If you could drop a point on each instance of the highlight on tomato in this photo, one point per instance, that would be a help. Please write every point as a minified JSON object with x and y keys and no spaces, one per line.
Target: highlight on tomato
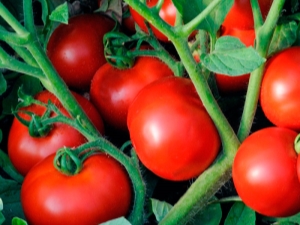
{"x":25,"y":151}
{"x":76,"y":50}
{"x":264,"y":172}
{"x":171,"y":131}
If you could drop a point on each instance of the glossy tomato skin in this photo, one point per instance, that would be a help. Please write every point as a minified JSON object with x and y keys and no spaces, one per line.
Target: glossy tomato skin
{"x":25,"y":151}
{"x":279,"y":96}
{"x":171,"y":131}
{"x":264,"y":172}
{"x":167,"y":13}
{"x":240,"y":15}
{"x":235,"y":84}
{"x":113,"y":90}
{"x":99,"y":192}
{"x":76,"y":50}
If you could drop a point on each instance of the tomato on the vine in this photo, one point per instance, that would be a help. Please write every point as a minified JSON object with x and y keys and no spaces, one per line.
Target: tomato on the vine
{"x":264,"y":172}
{"x":280,"y":91}
{"x":167,"y":13}
{"x":101,"y":191}
{"x":235,"y":84}
{"x":171,"y":131}
{"x":25,"y":151}
{"x":113,"y":90}
{"x":76,"y":50}
{"x":241,"y":16}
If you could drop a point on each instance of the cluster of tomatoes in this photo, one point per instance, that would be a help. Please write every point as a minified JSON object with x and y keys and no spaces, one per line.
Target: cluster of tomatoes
{"x":170,"y":129}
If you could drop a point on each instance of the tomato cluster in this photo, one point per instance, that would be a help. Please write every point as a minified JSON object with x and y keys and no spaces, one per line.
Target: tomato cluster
{"x":171,"y":132}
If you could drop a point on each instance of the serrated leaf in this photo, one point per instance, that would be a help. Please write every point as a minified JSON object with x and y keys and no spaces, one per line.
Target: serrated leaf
{"x":118,"y":221}
{"x":60,"y":14}
{"x":232,"y":57}
{"x":213,"y":21}
{"x":210,"y":215}
{"x":3,"y":84}
{"x":18,"y":221}
{"x":284,"y":36}
{"x":240,"y":214}
{"x":160,"y":208}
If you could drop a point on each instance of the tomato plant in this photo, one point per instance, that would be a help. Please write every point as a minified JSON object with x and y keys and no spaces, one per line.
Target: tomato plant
{"x":178,"y":140}
{"x":264,"y":172}
{"x":113,"y":89}
{"x":99,"y":192}
{"x":25,"y":151}
{"x":76,"y":49}
{"x":279,"y":95}
{"x":241,"y":16}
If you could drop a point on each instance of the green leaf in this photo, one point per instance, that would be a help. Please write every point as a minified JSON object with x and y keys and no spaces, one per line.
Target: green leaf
{"x":240,"y":214}
{"x":213,"y":22}
{"x":118,"y":221}
{"x":210,"y":215}
{"x":284,"y":36}
{"x":10,"y":195}
{"x":18,"y":221}
{"x":60,"y":14}
{"x":3,"y":84}
{"x":160,"y":208}
{"x":7,"y":166}
{"x":231,"y":57}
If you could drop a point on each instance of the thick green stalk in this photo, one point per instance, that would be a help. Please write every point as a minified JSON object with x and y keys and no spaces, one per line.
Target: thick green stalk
{"x":264,"y":35}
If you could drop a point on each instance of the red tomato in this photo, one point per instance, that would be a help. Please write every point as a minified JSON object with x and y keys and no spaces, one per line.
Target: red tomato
{"x":113,"y":90}
{"x":167,"y":13}
{"x":235,"y":84}
{"x":280,"y":89}
{"x":171,"y":131}
{"x":76,"y":50}
{"x":240,"y":15}
{"x":25,"y":151}
{"x":101,"y":191}
{"x":264,"y":172}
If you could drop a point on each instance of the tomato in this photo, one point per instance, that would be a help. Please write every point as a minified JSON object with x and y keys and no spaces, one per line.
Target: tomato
{"x":101,"y":191}
{"x":264,"y":172}
{"x":235,"y":84}
{"x":25,"y":151}
{"x":167,"y":13}
{"x":280,"y":91}
{"x":113,"y":90}
{"x":76,"y":50}
{"x":240,"y":15}
{"x":171,"y":131}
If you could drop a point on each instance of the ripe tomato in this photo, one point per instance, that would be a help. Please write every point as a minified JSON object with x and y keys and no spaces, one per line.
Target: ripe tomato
{"x":264,"y":172}
{"x":171,"y":131}
{"x":101,"y":191}
{"x":167,"y":13}
{"x":280,"y":89}
{"x":240,"y":15}
{"x":235,"y":84}
{"x":25,"y":151}
{"x":76,"y":50}
{"x":113,"y":90}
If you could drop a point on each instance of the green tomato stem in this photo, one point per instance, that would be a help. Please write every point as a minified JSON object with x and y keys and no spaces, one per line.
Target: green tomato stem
{"x":263,"y":38}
